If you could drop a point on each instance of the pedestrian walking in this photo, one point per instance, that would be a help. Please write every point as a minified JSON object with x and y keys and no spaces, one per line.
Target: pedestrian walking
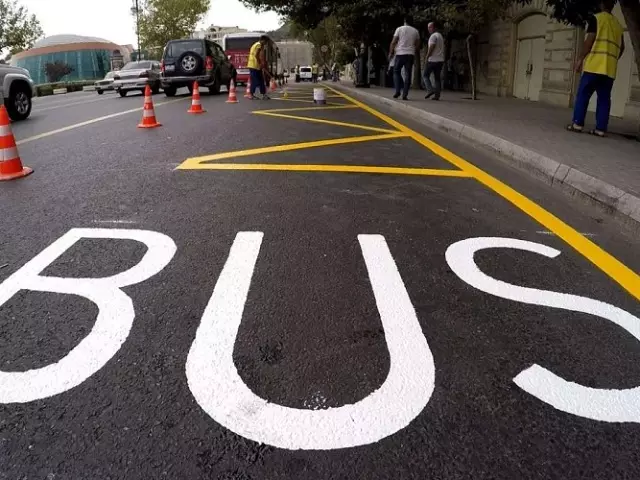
{"x":314,"y":73}
{"x":405,"y":44}
{"x":435,"y":62}
{"x":258,"y":67}
{"x":598,"y":61}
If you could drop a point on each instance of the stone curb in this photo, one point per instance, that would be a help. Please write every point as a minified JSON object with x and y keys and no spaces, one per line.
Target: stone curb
{"x":60,"y":91}
{"x":554,"y":172}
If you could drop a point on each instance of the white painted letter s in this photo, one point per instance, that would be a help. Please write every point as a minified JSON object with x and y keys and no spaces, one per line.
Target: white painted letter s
{"x":593,"y":403}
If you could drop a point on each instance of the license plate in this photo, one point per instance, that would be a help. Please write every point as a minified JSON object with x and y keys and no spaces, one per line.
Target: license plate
{"x":170,"y":68}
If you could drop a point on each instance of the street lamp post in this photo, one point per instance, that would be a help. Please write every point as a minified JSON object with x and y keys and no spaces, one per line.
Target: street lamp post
{"x":135,"y":9}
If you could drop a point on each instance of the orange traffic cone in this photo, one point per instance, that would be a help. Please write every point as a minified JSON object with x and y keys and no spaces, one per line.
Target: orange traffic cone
{"x":196,"y":106}
{"x":273,"y":87}
{"x":232,"y":93}
{"x":148,"y":113}
{"x":10,"y":163}
{"x":247,"y":93}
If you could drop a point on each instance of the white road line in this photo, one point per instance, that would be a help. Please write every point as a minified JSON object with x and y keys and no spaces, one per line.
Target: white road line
{"x":92,"y":121}
{"x":118,"y":222}
{"x":63,"y":105}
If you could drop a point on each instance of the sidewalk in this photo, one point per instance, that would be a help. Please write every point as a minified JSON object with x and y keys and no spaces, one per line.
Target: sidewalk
{"x":533,"y":135}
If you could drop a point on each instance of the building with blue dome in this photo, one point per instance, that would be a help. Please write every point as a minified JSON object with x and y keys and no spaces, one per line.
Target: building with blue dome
{"x":90,"y":58}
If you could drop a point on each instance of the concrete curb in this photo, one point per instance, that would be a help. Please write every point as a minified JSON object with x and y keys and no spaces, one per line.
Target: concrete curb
{"x":60,"y":91}
{"x":552,"y":171}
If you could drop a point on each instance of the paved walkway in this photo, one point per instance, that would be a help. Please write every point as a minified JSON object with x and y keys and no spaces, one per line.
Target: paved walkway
{"x":538,"y":131}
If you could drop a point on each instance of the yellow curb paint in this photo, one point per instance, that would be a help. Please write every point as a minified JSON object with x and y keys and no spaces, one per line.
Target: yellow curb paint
{"x":307,"y":109}
{"x":335,"y":168}
{"x":196,"y":163}
{"x":92,"y":121}
{"x":614,"y":268}
{"x":326,"y":122}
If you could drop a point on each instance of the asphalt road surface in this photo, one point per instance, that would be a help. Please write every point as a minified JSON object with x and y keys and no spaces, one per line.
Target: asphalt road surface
{"x":279,"y":290}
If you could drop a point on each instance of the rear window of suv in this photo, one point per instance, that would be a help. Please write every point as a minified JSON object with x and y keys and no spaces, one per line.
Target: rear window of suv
{"x":305,"y":69}
{"x":175,"y":49}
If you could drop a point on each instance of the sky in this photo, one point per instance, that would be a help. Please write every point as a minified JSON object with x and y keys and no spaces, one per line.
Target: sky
{"x":112,"y":20}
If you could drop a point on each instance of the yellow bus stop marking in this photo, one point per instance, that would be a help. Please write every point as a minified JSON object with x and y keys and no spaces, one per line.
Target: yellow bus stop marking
{"x":615,"y":269}
{"x":197,"y":163}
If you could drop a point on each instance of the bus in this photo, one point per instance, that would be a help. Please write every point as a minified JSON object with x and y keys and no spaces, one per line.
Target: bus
{"x":237,"y":46}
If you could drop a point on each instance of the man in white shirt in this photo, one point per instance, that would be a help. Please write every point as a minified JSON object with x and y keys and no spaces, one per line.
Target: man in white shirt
{"x":405,"y":44}
{"x":435,"y":62}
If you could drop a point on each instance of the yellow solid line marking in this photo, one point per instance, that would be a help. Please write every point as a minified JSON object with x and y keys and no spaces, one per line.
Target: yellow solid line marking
{"x":196,"y":163}
{"x":614,"y":268}
{"x":327,"y":122}
{"x":307,"y":109}
{"x":335,"y":168}
{"x":92,"y":121}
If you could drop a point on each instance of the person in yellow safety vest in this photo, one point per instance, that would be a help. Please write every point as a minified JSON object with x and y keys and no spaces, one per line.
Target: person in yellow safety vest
{"x":257,"y":66}
{"x":314,"y":73}
{"x":603,"y":47}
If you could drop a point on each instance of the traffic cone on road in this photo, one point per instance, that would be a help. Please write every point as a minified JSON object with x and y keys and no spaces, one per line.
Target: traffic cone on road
{"x":10,"y":164}
{"x":196,"y":106}
{"x":247,"y":93}
{"x":273,"y":86}
{"x":148,"y":113}
{"x":232,"y":93}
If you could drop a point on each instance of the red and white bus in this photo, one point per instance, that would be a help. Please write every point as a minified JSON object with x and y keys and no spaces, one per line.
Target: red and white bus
{"x":237,"y":46}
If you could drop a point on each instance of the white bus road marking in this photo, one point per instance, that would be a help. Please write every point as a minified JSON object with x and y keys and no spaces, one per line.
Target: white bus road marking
{"x":221,"y":392}
{"x":115,"y":311}
{"x":607,"y":405}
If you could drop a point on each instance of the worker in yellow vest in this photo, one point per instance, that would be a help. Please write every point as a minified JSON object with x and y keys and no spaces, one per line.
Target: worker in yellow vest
{"x":603,"y":47}
{"x":257,"y":66}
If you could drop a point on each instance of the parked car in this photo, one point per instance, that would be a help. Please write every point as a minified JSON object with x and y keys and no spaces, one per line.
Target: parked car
{"x":136,"y":76}
{"x":185,"y":61}
{"x":106,"y":84}
{"x":16,"y":91}
{"x":306,"y":74}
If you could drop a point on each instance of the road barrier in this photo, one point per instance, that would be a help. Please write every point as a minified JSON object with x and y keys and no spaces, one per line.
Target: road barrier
{"x":148,"y":113}
{"x":11,"y":166}
{"x":196,"y":105}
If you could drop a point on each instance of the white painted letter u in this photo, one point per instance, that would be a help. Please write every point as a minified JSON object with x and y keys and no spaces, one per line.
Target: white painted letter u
{"x":219,"y":390}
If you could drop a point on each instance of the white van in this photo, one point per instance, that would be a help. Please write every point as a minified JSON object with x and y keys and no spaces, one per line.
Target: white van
{"x":305,"y":74}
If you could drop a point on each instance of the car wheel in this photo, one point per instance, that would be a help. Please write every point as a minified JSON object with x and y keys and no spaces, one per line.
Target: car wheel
{"x":122,"y":93}
{"x":100,"y":92}
{"x":215,"y":88}
{"x":18,"y":103}
{"x":170,"y":91}
{"x":189,"y":63}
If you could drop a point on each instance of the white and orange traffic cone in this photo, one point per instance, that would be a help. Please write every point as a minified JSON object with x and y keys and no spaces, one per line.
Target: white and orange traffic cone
{"x":196,"y":105}
{"x":10,"y":164}
{"x":273,"y":86}
{"x":232,"y":93}
{"x":247,"y":93}
{"x":148,"y":113}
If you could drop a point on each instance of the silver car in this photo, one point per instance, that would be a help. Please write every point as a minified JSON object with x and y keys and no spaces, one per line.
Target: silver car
{"x":105,"y":84}
{"x":16,"y":91}
{"x":136,"y":76}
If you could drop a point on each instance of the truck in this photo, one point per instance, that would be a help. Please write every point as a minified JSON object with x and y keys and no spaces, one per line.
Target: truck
{"x":16,"y":91}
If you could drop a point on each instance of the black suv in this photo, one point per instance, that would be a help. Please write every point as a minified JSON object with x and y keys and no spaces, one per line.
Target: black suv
{"x":185,"y":61}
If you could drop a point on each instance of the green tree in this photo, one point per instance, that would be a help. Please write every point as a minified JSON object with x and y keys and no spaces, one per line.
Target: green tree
{"x":18,"y":29}
{"x":56,"y":71}
{"x":164,"y":20}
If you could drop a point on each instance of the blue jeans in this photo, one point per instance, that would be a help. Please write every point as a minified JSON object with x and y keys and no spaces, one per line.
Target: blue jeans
{"x":434,"y":68}
{"x":257,"y":81}
{"x":602,"y":85}
{"x":406,"y":62}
